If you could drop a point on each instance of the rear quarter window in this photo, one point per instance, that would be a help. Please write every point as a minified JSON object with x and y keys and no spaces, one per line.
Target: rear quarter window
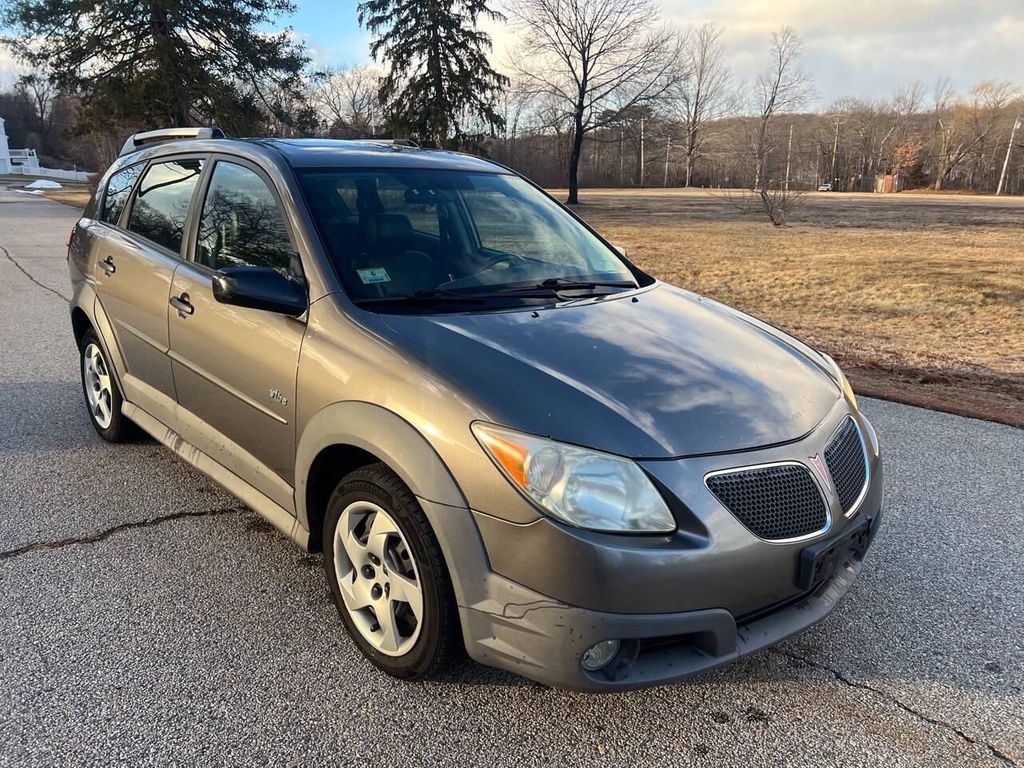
{"x":119,"y":189}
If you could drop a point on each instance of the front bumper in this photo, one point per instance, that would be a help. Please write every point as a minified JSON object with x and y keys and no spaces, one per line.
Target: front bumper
{"x":533,"y":597}
{"x":526,"y":633}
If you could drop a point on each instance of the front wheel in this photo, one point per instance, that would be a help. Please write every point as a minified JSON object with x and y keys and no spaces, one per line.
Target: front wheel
{"x":388,"y":576}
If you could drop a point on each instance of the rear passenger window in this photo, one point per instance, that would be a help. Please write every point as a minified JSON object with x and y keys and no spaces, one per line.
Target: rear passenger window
{"x":118,"y":189}
{"x":161,"y":203}
{"x":242,"y":224}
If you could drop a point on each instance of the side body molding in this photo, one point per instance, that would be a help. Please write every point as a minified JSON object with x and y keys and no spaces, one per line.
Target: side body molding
{"x":384,"y":434}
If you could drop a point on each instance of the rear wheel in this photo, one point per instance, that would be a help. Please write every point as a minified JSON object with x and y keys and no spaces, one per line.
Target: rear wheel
{"x":102,"y":397}
{"x":388,"y":576}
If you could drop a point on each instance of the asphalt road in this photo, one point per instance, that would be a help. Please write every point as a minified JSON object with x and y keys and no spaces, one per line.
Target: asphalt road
{"x":146,"y":617}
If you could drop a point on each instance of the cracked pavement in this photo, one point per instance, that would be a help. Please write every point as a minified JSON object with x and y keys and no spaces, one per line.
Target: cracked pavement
{"x":147,"y":617}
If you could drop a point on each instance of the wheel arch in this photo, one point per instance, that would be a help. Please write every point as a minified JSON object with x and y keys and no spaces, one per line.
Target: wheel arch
{"x":346,"y":435}
{"x":80,"y":324}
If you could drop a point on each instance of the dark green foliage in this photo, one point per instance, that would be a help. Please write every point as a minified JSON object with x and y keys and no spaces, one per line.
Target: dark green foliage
{"x":440,"y":87}
{"x":163,"y":62}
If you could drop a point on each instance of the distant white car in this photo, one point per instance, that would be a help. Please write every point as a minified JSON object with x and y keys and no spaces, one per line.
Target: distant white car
{"x":826,"y":187}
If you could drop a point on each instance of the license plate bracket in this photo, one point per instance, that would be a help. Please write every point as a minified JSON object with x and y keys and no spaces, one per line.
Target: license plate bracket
{"x":818,"y":562}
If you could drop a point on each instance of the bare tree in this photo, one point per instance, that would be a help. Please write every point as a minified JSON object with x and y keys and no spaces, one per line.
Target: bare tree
{"x":782,"y":87}
{"x":904,"y":105}
{"x":348,"y":99}
{"x":39,"y":91}
{"x":963,"y":126}
{"x":514,"y":105}
{"x":703,"y":97}
{"x":596,"y":58}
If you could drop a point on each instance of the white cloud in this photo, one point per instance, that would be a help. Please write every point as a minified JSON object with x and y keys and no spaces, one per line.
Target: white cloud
{"x":9,"y":69}
{"x":871,"y":47}
{"x":860,"y":47}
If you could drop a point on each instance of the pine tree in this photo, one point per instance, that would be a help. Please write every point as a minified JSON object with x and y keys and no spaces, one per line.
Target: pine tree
{"x":439,"y":81}
{"x":162,"y":62}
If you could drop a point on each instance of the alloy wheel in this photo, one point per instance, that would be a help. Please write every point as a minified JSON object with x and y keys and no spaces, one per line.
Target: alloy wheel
{"x":378,"y":578}
{"x":98,"y":386}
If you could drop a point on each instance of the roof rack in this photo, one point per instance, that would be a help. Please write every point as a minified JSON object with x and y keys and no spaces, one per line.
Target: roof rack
{"x":391,"y":142}
{"x":139,"y":140}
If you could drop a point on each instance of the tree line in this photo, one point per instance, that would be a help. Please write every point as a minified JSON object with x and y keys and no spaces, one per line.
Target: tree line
{"x":595,"y":93}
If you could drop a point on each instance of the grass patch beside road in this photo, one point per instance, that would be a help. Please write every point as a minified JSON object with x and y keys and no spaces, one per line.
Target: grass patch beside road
{"x":77,"y":196}
{"x":920,"y":298}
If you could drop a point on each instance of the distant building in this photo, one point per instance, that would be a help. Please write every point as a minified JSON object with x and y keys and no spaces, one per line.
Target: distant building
{"x":16,"y":160}
{"x":890,"y":182}
{"x":26,"y":162}
{"x":5,"y":150}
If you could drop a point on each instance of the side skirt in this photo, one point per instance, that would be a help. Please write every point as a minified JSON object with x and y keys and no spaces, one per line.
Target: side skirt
{"x":277,"y":515}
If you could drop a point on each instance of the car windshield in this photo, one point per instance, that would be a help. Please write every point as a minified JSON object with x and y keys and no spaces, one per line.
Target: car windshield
{"x":397,"y":235}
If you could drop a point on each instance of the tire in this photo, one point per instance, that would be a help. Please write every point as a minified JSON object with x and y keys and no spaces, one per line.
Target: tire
{"x":373,"y":561}
{"x":102,"y":397}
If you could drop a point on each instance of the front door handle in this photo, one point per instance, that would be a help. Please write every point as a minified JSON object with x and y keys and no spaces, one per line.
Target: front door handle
{"x":182,"y":304}
{"x":107,"y":265}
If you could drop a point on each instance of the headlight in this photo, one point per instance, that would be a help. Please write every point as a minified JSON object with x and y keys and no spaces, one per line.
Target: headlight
{"x":583,"y":488}
{"x":843,"y":381}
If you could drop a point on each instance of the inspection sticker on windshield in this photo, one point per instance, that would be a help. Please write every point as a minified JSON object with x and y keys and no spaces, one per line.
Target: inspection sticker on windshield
{"x":373,"y":275}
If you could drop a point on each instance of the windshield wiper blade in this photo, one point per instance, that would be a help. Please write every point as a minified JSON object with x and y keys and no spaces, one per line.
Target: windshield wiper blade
{"x":556,"y":285}
{"x":426,"y":295}
{"x":563,"y":283}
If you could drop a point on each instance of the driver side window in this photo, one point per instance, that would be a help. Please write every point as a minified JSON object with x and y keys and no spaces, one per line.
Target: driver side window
{"x":243,"y":225}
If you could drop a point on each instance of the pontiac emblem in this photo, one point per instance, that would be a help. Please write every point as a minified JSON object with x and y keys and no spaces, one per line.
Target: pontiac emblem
{"x":819,"y":465}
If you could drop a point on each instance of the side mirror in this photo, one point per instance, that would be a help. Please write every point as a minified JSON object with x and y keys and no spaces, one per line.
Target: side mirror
{"x":260,"y":288}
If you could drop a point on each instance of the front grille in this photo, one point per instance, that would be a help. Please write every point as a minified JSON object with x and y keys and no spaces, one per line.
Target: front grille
{"x":844,"y":456}
{"x":779,"y":501}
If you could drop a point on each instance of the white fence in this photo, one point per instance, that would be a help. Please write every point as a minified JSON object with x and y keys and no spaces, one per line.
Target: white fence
{"x":53,"y":173}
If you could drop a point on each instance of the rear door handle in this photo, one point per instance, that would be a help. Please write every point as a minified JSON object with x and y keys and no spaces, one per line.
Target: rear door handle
{"x":107,"y":265}
{"x":182,"y":304}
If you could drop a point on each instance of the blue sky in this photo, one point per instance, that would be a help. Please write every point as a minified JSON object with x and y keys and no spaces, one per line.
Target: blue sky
{"x":852,"y":47}
{"x":856,"y":48}
{"x":332,"y":31}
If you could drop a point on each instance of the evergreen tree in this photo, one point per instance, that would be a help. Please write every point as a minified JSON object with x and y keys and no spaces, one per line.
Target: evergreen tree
{"x":439,"y":81}
{"x":162,"y":62}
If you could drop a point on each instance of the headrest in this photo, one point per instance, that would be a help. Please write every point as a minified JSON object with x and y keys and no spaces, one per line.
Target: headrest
{"x":388,"y":226}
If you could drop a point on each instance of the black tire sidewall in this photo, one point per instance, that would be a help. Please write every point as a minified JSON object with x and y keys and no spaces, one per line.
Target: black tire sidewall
{"x":116,"y":431}
{"x":423,"y":657}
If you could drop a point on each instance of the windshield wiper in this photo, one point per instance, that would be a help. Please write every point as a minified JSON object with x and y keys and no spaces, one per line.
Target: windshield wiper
{"x":563,"y":283}
{"x":426,"y":296}
{"x":552,"y":285}
{"x":556,"y":285}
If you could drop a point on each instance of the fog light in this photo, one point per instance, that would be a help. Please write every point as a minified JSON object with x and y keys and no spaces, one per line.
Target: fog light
{"x":599,"y":655}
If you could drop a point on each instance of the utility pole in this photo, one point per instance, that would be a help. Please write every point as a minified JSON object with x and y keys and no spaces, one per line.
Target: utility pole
{"x":620,"y":157}
{"x":668,"y":150}
{"x":835,"y":148}
{"x":1006,"y":162}
{"x":641,"y":151}
{"x":789,"y":154}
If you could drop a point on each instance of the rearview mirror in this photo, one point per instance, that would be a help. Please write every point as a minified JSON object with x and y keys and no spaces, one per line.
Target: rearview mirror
{"x":260,"y":288}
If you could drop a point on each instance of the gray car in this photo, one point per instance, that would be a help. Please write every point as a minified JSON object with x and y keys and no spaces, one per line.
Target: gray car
{"x":504,"y":437}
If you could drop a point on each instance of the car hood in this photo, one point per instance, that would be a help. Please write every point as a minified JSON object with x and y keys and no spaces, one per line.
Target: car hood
{"x":658,"y":373}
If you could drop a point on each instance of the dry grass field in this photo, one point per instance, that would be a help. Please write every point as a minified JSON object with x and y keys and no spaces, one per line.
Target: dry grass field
{"x":919,"y":297}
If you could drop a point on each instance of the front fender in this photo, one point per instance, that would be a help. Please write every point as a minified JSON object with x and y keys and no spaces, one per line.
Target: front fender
{"x":384,"y":434}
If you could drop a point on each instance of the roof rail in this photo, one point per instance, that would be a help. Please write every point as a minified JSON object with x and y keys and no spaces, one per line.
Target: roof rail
{"x":139,"y":140}
{"x":391,"y":142}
